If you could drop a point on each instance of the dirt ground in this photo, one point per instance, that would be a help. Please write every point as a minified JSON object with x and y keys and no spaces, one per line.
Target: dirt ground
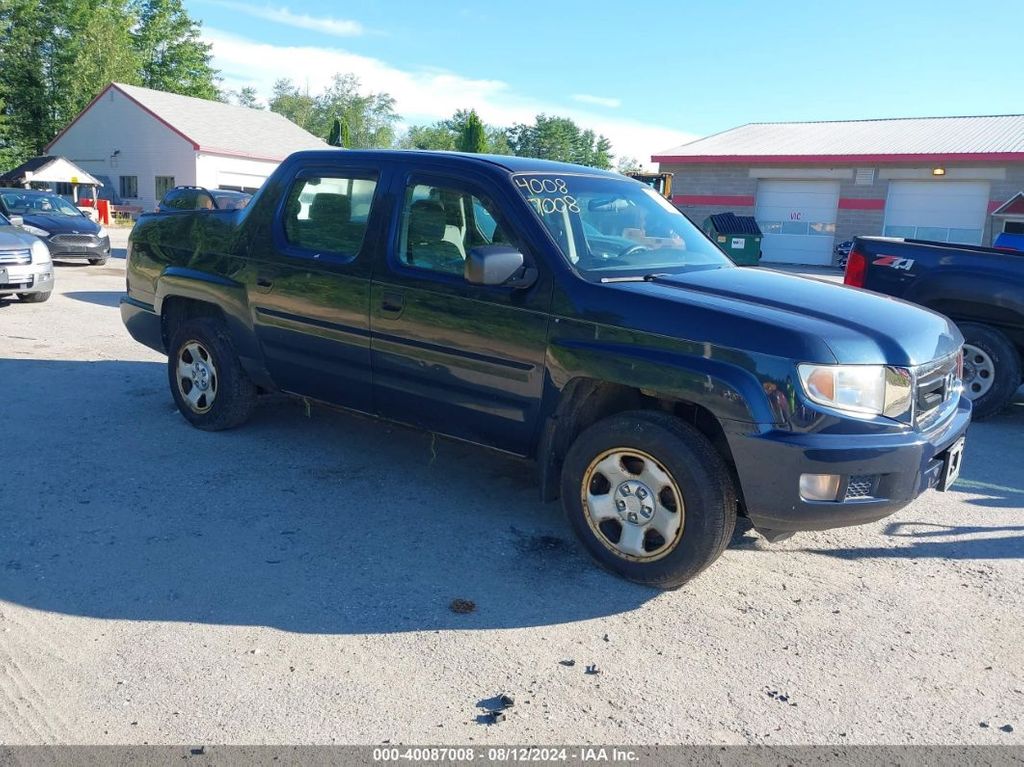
{"x":291,"y":582}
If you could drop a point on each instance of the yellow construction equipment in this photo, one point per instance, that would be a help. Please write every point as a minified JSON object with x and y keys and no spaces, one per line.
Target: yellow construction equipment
{"x":659,"y":182}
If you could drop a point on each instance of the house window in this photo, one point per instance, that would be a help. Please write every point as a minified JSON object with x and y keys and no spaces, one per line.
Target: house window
{"x":164,"y":184}
{"x":129,"y":187}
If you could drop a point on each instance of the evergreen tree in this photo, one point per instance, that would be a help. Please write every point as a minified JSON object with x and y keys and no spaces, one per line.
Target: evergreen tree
{"x":473,"y":137}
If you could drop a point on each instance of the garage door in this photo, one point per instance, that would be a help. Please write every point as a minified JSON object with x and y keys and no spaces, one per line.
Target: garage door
{"x":944,"y":211}
{"x":798,"y":219}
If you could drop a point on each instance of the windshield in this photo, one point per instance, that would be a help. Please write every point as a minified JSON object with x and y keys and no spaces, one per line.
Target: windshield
{"x":27,"y":204}
{"x":608,"y":227}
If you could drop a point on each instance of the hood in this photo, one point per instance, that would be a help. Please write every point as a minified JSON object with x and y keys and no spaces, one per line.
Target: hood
{"x":804,"y":319}
{"x":13,"y":238}
{"x":58,"y":224}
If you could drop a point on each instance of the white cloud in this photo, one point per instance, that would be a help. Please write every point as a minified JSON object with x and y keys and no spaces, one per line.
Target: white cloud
{"x":421,"y":95}
{"x":601,"y":101}
{"x":282,"y":15}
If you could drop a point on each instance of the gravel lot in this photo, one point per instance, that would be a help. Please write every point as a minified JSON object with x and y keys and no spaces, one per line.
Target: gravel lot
{"x":290,"y":582}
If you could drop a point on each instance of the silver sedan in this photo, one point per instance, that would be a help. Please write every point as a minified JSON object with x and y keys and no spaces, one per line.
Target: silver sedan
{"x":26,"y":269}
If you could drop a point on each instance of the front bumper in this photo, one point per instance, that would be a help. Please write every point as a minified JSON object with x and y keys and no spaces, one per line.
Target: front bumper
{"x":903,"y":466}
{"x":143,"y":323}
{"x":27,"y":278}
{"x":78,"y":246}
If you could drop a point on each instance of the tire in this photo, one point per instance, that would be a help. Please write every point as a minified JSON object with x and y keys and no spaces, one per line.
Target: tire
{"x":35,"y":298}
{"x":97,"y":261}
{"x":992,"y":369}
{"x":698,"y":480}
{"x":224,"y":396}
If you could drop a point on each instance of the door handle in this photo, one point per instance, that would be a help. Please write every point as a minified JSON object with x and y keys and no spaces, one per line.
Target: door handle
{"x":392,"y":303}
{"x":264,"y":284}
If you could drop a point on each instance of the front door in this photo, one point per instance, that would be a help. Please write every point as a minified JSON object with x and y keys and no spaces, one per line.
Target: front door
{"x":310,"y":290}
{"x":451,"y":357}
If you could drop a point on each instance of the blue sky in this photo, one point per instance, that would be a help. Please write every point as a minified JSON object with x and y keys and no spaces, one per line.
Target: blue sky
{"x":650,"y":74}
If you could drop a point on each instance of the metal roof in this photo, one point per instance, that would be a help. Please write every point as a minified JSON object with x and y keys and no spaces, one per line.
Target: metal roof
{"x":218,"y":128}
{"x":992,"y":137}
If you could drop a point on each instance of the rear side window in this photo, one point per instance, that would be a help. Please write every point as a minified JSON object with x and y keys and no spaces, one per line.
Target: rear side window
{"x":329,"y":213}
{"x":187,"y":199}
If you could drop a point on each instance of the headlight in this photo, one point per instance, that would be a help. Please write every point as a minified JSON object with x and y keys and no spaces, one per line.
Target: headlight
{"x":102,"y":232}
{"x":860,"y":389}
{"x":35,"y":230}
{"x":40,"y":253}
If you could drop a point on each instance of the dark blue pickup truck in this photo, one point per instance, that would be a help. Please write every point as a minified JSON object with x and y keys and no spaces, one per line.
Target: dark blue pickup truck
{"x":568,"y":315}
{"x":981,"y":289}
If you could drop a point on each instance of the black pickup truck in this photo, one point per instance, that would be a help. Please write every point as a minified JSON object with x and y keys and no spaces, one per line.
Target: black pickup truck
{"x":564,"y":314}
{"x":980,"y":289}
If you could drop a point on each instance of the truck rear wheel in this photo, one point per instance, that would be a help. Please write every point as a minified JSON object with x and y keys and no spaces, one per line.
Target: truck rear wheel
{"x":649,"y":497}
{"x":992,"y":371}
{"x":208,"y":383}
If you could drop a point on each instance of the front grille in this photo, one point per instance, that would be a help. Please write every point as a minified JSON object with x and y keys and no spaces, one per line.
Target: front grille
{"x":15,"y":257}
{"x":86,"y":240}
{"x":28,"y":282}
{"x":860,"y":486}
{"x":938,"y":383}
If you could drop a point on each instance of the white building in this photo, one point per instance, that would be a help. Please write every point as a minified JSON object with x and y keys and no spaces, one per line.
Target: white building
{"x":145,"y":142}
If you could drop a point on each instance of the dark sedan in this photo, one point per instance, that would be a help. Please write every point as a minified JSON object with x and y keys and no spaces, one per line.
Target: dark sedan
{"x":67,"y":231}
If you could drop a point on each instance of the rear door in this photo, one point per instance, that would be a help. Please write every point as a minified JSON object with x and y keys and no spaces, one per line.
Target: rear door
{"x":451,"y":357}
{"x":310,"y":285}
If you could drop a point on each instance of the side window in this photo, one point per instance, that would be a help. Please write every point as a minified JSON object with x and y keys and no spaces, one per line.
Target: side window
{"x":329,"y":213}
{"x":441,"y":225}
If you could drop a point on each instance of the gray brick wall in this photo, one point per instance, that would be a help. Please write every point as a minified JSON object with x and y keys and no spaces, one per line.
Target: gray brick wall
{"x":716,"y":179}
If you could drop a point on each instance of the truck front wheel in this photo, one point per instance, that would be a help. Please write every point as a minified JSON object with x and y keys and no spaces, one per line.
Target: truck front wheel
{"x":992,"y":372}
{"x":649,"y":497}
{"x":208,"y":383}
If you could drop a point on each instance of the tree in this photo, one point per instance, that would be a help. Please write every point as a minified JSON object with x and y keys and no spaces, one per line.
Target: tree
{"x":628,"y":165}
{"x":339,"y":134}
{"x":173,"y":56}
{"x":55,"y":56}
{"x":370,"y":118}
{"x":559,"y":138}
{"x":246,"y":97}
{"x":472,"y":137}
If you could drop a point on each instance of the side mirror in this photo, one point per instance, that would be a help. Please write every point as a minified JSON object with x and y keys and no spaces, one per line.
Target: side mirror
{"x":498,"y":265}
{"x":17,"y":221}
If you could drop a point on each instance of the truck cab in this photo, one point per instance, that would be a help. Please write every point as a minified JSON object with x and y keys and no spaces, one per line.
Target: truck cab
{"x":568,"y":315}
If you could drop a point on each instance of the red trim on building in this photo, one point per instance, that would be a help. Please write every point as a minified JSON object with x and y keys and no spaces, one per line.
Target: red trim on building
{"x":860,"y":203}
{"x":837,"y":159}
{"x":148,"y":111}
{"x":741,"y":200}
{"x":1013,"y":207}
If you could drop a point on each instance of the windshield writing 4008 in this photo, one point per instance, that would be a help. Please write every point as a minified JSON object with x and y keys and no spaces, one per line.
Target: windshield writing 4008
{"x":548,"y":195}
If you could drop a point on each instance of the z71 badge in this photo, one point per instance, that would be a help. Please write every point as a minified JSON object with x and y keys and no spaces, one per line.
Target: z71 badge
{"x":894,"y":262}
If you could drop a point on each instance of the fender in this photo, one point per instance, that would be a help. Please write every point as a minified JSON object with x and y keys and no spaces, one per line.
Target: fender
{"x":227,"y":295}
{"x":728,"y":390}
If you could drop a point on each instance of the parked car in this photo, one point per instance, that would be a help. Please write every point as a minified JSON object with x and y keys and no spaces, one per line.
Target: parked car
{"x":842,"y":252}
{"x":26,"y":269}
{"x":197,"y":198}
{"x":659,"y":387}
{"x":981,"y":289}
{"x":68,"y":233}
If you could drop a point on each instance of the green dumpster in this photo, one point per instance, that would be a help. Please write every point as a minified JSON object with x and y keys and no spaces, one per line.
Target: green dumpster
{"x":738,"y":236}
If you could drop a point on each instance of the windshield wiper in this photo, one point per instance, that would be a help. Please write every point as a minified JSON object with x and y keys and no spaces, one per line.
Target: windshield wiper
{"x":635,"y":278}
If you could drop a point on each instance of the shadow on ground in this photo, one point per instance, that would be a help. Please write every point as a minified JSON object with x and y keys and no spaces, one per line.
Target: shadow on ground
{"x":99,"y":297}
{"x":115,"y":508}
